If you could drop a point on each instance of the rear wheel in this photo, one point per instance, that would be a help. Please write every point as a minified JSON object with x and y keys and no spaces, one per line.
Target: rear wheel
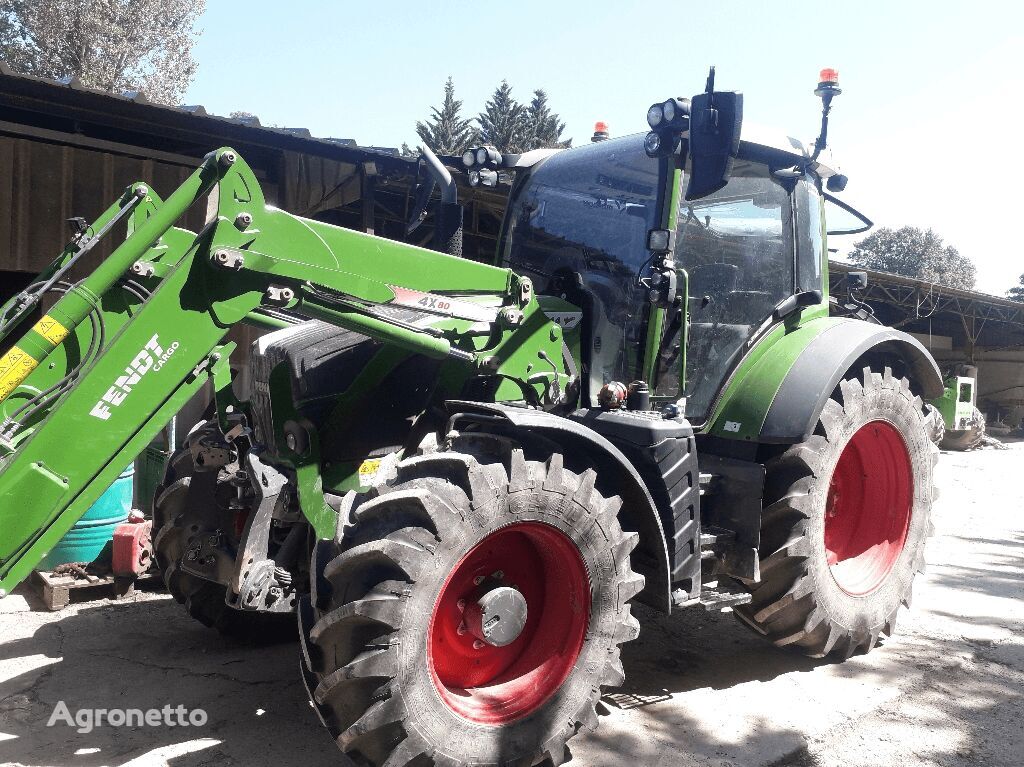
{"x":471,"y":612}
{"x":189,"y":500}
{"x":845,"y":522}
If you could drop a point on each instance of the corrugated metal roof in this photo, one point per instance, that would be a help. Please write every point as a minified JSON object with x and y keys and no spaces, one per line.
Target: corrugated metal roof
{"x":71,"y":93}
{"x":934,"y":287}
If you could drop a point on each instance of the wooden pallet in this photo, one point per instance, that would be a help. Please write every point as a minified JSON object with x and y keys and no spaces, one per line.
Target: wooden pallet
{"x":58,"y":591}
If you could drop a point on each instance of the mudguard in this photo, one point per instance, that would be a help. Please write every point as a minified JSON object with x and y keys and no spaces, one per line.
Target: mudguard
{"x":639,"y":513}
{"x":777,"y":397}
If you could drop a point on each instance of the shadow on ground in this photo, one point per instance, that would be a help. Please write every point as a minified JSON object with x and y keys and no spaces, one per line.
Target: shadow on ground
{"x":146,"y":655}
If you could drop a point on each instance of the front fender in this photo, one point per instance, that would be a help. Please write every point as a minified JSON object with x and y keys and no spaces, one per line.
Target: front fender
{"x":778,"y":392}
{"x":639,"y":511}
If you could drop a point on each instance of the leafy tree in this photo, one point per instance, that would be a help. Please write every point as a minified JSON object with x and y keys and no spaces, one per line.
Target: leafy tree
{"x":1017,"y":291}
{"x":446,"y":132}
{"x":116,"y":45}
{"x":915,"y":253}
{"x":503,"y":123}
{"x":545,"y":127}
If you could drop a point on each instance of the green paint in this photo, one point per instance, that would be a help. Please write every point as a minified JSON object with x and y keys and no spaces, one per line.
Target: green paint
{"x":956,"y":405}
{"x":656,"y":319}
{"x":748,"y":394}
{"x":156,"y":356}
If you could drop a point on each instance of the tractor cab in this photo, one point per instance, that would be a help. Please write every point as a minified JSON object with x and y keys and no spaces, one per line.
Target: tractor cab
{"x":578,"y":224}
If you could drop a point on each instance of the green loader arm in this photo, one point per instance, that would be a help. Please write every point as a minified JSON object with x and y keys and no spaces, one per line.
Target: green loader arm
{"x":93,"y":382}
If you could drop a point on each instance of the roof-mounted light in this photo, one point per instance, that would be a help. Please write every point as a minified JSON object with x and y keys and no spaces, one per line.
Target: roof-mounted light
{"x":828,"y":83}
{"x":827,"y":90}
{"x":482,"y":157}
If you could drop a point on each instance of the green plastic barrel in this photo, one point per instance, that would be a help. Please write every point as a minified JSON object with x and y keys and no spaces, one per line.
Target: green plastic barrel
{"x":86,"y":539}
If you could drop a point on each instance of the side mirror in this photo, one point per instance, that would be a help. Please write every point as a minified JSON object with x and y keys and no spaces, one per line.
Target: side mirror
{"x":715,"y":122}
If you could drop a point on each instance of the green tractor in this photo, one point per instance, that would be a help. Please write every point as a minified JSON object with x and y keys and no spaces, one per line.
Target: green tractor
{"x":963,"y":424}
{"x":458,"y":477}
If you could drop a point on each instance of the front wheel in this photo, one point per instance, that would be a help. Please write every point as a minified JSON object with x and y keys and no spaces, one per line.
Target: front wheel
{"x":845,"y":521}
{"x":190,"y":500}
{"x":471,"y":612}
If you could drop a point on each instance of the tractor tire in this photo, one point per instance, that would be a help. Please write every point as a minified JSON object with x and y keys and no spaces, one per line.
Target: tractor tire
{"x":392,"y":658}
{"x":846,"y":517}
{"x":966,"y":439}
{"x":184,"y":497}
{"x":935,"y":424}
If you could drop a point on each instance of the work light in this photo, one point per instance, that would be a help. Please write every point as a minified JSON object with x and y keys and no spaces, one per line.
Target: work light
{"x":660,"y":240}
{"x":655,"y":115}
{"x":676,"y":111}
{"x":482,"y":157}
{"x":668,"y":109}
{"x":652,"y":144}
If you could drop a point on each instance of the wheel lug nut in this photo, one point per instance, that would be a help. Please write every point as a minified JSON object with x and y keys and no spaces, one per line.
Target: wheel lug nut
{"x":461,"y":629}
{"x":461,"y":604}
{"x":477,"y":644}
{"x":498,"y":575}
{"x":478,"y":580}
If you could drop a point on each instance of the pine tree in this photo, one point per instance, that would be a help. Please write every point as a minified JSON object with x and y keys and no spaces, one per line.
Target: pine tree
{"x":1016,"y":293}
{"x":545,"y":127}
{"x":503,"y":122}
{"x":446,"y":132}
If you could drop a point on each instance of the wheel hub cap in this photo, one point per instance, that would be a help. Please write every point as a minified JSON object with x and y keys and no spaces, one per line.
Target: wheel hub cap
{"x":498,"y":617}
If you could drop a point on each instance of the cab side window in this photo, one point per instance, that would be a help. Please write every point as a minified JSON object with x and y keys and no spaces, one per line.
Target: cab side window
{"x":809,"y":241}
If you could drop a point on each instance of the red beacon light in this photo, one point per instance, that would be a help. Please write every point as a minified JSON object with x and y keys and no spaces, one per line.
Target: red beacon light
{"x":827,"y":89}
{"x":600,"y":131}
{"x":828,"y":82}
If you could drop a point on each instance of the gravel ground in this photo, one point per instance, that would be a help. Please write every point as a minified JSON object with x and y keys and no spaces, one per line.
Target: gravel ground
{"x":700,"y":689}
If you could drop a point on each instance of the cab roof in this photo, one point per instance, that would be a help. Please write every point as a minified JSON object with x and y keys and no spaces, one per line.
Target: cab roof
{"x":757,"y":135}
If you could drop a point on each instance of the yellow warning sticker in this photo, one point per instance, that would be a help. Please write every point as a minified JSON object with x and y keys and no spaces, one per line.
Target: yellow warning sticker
{"x":15,"y":365}
{"x":368,"y":470}
{"x":51,"y":330}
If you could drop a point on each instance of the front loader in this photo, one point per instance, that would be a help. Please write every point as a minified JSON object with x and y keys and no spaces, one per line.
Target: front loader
{"x":458,"y":476}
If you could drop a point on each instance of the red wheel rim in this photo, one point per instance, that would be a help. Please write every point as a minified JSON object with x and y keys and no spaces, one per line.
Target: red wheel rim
{"x":496,"y":685}
{"x":867,"y":513}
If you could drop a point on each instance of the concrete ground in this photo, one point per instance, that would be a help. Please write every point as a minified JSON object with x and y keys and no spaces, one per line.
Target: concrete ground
{"x":700,"y":690}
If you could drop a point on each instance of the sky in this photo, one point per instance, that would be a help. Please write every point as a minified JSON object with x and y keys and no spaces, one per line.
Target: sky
{"x":927,"y":127}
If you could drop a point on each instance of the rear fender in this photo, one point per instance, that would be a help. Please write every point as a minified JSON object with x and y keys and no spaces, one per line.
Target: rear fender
{"x":777,"y":394}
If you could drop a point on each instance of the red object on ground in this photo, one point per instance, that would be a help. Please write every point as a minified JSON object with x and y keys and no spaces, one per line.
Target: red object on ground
{"x":133,"y":548}
{"x":867,"y":513}
{"x":497,"y":685}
